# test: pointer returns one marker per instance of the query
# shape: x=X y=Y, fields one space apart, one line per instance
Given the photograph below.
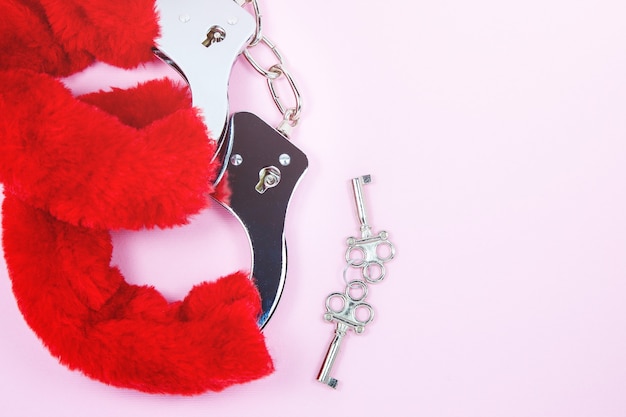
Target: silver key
x=351 y=314
x=370 y=252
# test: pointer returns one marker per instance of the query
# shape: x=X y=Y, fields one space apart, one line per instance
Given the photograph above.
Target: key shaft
x=366 y=230
x=331 y=356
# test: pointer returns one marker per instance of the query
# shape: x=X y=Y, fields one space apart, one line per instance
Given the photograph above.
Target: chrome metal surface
x=258 y=34
x=269 y=177
x=347 y=317
x=185 y=25
x=329 y=360
x=347 y=309
x=256 y=146
x=267 y=73
x=291 y=114
x=216 y=34
x=370 y=252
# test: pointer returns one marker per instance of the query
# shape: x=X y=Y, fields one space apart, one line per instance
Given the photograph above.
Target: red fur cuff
x=126 y=335
x=61 y=37
x=74 y=168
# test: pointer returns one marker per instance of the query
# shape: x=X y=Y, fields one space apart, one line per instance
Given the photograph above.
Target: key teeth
x=328 y=380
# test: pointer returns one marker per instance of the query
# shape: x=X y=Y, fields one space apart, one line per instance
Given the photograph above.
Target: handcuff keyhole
x=269 y=177
x=216 y=34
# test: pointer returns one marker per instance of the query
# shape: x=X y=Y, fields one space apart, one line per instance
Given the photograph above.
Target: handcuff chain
x=291 y=114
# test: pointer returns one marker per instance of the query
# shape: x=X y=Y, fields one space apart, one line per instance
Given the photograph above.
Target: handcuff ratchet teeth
x=201 y=41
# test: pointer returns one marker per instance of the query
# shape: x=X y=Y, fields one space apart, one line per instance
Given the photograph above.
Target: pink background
x=495 y=134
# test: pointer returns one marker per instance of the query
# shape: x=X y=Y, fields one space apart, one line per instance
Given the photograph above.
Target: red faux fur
x=120 y=33
x=73 y=168
x=126 y=335
x=61 y=37
x=123 y=159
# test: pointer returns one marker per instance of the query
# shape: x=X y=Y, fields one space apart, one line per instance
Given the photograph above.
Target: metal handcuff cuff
x=262 y=166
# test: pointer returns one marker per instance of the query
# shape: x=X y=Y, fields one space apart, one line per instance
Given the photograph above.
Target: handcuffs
x=201 y=41
x=56 y=241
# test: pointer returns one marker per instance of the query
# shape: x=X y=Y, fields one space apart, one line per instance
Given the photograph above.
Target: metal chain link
x=291 y=114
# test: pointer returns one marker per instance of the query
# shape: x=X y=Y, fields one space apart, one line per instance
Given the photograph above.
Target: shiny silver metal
x=269 y=177
x=347 y=317
x=353 y=314
x=352 y=307
x=290 y=114
x=216 y=34
x=258 y=33
x=366 y=230
x=185 y=25
x=333 y=350
x=201 y=40
x=256 y=147
x=284 y=159
x=369 y=252
x=267 y=73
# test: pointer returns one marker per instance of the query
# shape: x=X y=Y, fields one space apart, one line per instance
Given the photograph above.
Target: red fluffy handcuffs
x=74 y=168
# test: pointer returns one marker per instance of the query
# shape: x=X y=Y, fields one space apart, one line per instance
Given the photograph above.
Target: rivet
x=284 y=159
x=236 y=159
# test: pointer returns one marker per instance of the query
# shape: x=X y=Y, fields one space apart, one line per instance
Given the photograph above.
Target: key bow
x=351 y=314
